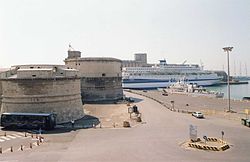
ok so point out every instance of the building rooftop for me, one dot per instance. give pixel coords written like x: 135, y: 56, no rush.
x: 94, y: 59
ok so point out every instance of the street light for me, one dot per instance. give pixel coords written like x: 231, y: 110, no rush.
x: 227, y: 49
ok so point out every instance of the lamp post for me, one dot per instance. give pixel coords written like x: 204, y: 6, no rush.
x: 228, y: 49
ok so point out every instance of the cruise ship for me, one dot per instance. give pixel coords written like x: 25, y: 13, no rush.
x: 163, y: 75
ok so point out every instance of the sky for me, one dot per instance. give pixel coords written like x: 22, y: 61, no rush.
x: 39, y: 31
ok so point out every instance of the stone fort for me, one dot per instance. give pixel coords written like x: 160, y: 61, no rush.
x: 61, y: 89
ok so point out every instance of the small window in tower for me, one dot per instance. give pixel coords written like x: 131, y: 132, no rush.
x: 79, y: 63
x: 33, y: 75
x: 31, y: 67
x: 103, y: 74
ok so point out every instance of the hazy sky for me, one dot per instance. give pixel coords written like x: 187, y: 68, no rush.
x: 39, y: 31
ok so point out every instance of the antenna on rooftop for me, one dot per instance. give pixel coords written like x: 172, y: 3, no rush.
x: 71, y: 48
x: 184, y: 62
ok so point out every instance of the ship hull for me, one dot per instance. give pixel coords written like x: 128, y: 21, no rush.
x: 153, y: 84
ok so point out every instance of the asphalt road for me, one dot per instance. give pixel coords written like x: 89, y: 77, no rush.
x: 158, y: 140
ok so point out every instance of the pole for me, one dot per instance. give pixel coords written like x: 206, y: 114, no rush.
x: 228, y: 83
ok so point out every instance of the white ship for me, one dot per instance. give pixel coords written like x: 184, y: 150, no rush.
x: 163, y: 75
x: 181, y: 87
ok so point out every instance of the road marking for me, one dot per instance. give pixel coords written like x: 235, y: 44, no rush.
x: 16, y: 135
x: 9, y: 136
x: 19, y: 133
x: 5, y: 138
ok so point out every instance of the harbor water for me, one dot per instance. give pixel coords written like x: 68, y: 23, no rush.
x: 237, y: 91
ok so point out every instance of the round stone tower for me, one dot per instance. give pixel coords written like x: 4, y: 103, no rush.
x: 101, y: 78
x: 49, y: 88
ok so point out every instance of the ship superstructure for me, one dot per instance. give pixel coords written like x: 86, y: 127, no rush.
x: 163, y: 74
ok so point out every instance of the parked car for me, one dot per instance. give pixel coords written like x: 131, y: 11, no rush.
x: 198, y: 115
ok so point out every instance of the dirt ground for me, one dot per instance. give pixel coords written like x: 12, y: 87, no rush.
x: 110, y: 115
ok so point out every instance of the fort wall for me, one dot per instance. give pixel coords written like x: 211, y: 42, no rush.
x: 101, y: 78
x: 42, y: 89
x: 57, y: 95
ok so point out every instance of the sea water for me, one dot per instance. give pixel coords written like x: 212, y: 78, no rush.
x: 237, y: 91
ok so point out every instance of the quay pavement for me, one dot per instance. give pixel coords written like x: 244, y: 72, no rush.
x: 159, y: 138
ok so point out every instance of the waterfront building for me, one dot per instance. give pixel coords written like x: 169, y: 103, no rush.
x: 140, y: 60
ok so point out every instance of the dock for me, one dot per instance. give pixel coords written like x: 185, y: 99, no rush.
x: 233, y: 82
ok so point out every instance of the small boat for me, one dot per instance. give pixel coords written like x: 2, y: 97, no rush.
x: 181, y: 87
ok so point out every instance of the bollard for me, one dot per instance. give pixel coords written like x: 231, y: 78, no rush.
x: 21, y: 147
x: 37, y: 143
x: 31, y: 145
x: 5, y: 134
x: 126, y: 124
x: 100, y: 125
x: 1, y: 150
x: 36, y: 136
x: 25, y: 134
x: 138, y: 119
x: 11, y: 149
x: 114, y: 125
x: 32, y: 136
x: 41, y: 139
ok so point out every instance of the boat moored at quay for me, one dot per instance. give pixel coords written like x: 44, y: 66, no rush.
x: 163, y: 75
x: 181, y: 87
